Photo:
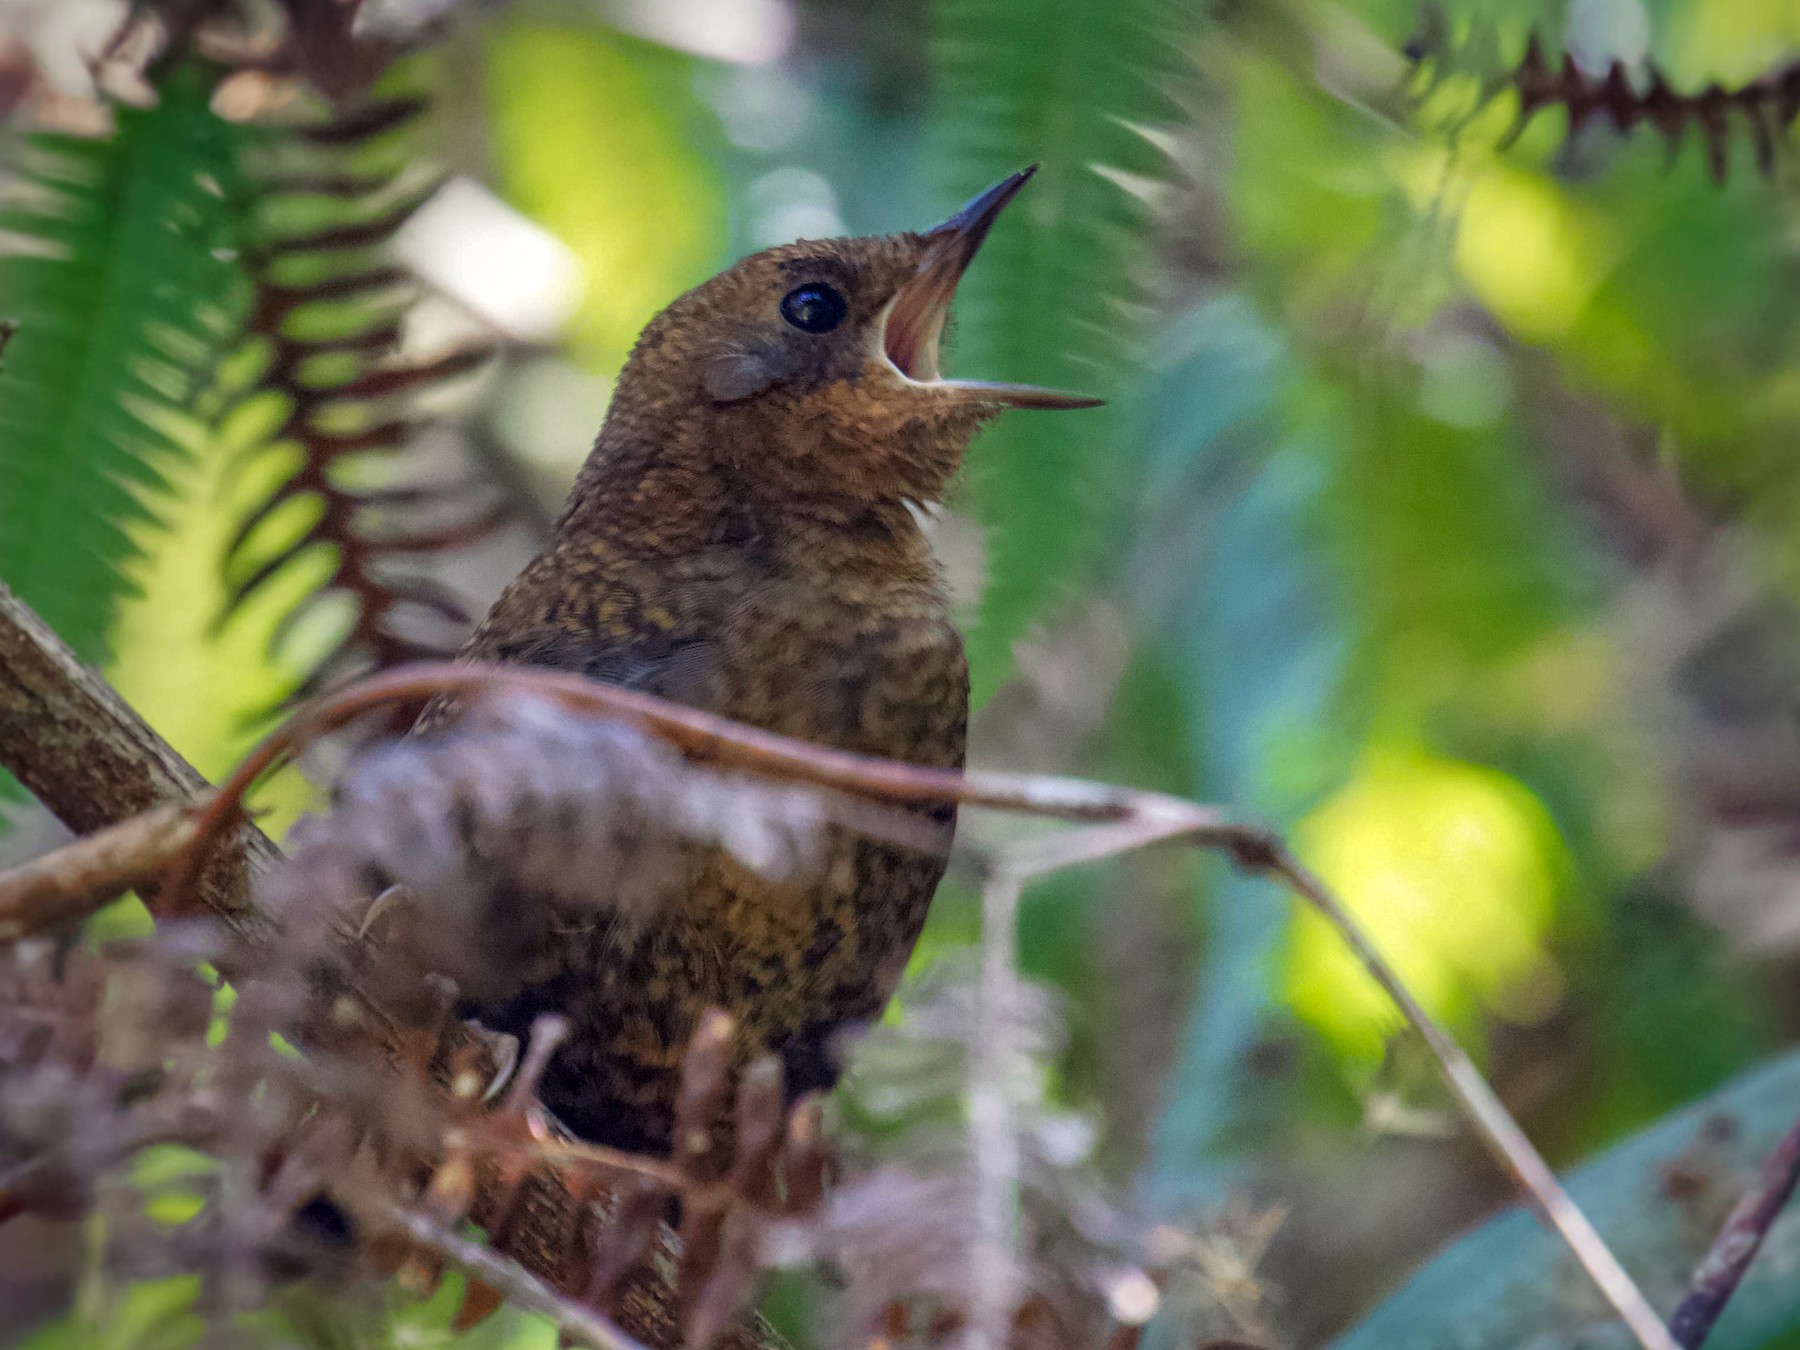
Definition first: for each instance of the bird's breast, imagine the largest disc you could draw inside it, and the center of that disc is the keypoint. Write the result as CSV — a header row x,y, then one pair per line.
x,y
879,678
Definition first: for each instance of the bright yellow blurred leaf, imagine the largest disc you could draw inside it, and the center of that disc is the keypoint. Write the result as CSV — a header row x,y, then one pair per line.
x,y
202,686
1530,253
1453,870
592,136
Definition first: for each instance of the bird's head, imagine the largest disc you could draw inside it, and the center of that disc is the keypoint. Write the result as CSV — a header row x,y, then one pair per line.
x,y
813,368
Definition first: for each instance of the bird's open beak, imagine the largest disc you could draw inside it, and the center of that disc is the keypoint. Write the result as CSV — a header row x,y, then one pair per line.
x,y
914,320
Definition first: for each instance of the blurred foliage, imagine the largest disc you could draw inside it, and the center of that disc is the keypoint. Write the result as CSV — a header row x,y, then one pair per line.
x,y
1474,830
124,303
1061,296
594,136
1350,510
161,1314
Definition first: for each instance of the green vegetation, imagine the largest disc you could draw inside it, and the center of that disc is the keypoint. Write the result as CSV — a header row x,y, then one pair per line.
x,y
1445,514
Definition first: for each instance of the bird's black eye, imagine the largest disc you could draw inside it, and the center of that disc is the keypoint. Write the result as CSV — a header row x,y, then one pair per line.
x,y
814,308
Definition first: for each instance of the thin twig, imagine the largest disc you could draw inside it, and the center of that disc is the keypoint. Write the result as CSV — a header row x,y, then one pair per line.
x,y
520,1287
1720,1271
578,1155
994,1070
717,740
1505,1140
61,888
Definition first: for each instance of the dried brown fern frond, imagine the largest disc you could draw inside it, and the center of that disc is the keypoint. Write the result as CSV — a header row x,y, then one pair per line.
x,y
330,309
469,853
1764,108
731,1204
328,44
107,1054
331,171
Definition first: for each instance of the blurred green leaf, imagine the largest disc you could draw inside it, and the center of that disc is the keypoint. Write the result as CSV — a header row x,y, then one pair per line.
x,y
595,138
125,296
1234,579
144,1315
1059,294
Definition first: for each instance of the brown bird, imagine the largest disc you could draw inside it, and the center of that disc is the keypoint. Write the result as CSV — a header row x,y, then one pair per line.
x,y
744,539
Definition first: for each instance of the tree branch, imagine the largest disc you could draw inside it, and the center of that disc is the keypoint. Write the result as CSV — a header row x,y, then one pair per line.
x,y
80,750
61,888
1720,1271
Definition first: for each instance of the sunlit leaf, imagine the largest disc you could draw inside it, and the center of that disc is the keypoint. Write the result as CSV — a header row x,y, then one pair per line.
x,y
594,138
1453,870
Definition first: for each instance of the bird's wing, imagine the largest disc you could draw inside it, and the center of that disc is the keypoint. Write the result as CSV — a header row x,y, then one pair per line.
x,y
607,624
683,669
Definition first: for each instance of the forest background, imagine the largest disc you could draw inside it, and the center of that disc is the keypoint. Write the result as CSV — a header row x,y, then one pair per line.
x,y
1445,515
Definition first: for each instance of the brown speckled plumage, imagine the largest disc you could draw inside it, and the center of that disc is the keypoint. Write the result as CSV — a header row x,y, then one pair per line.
x,y
742,540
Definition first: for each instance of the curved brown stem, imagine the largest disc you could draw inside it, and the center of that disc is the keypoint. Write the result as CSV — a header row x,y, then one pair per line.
x,y
63,887
1722,1269
1118,819
703,736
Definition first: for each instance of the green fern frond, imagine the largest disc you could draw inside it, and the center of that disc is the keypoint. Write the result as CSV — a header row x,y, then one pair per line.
x,y
126,291
1058,295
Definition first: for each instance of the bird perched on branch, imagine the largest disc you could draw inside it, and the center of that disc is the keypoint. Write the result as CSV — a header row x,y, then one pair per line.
x,y
743,539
